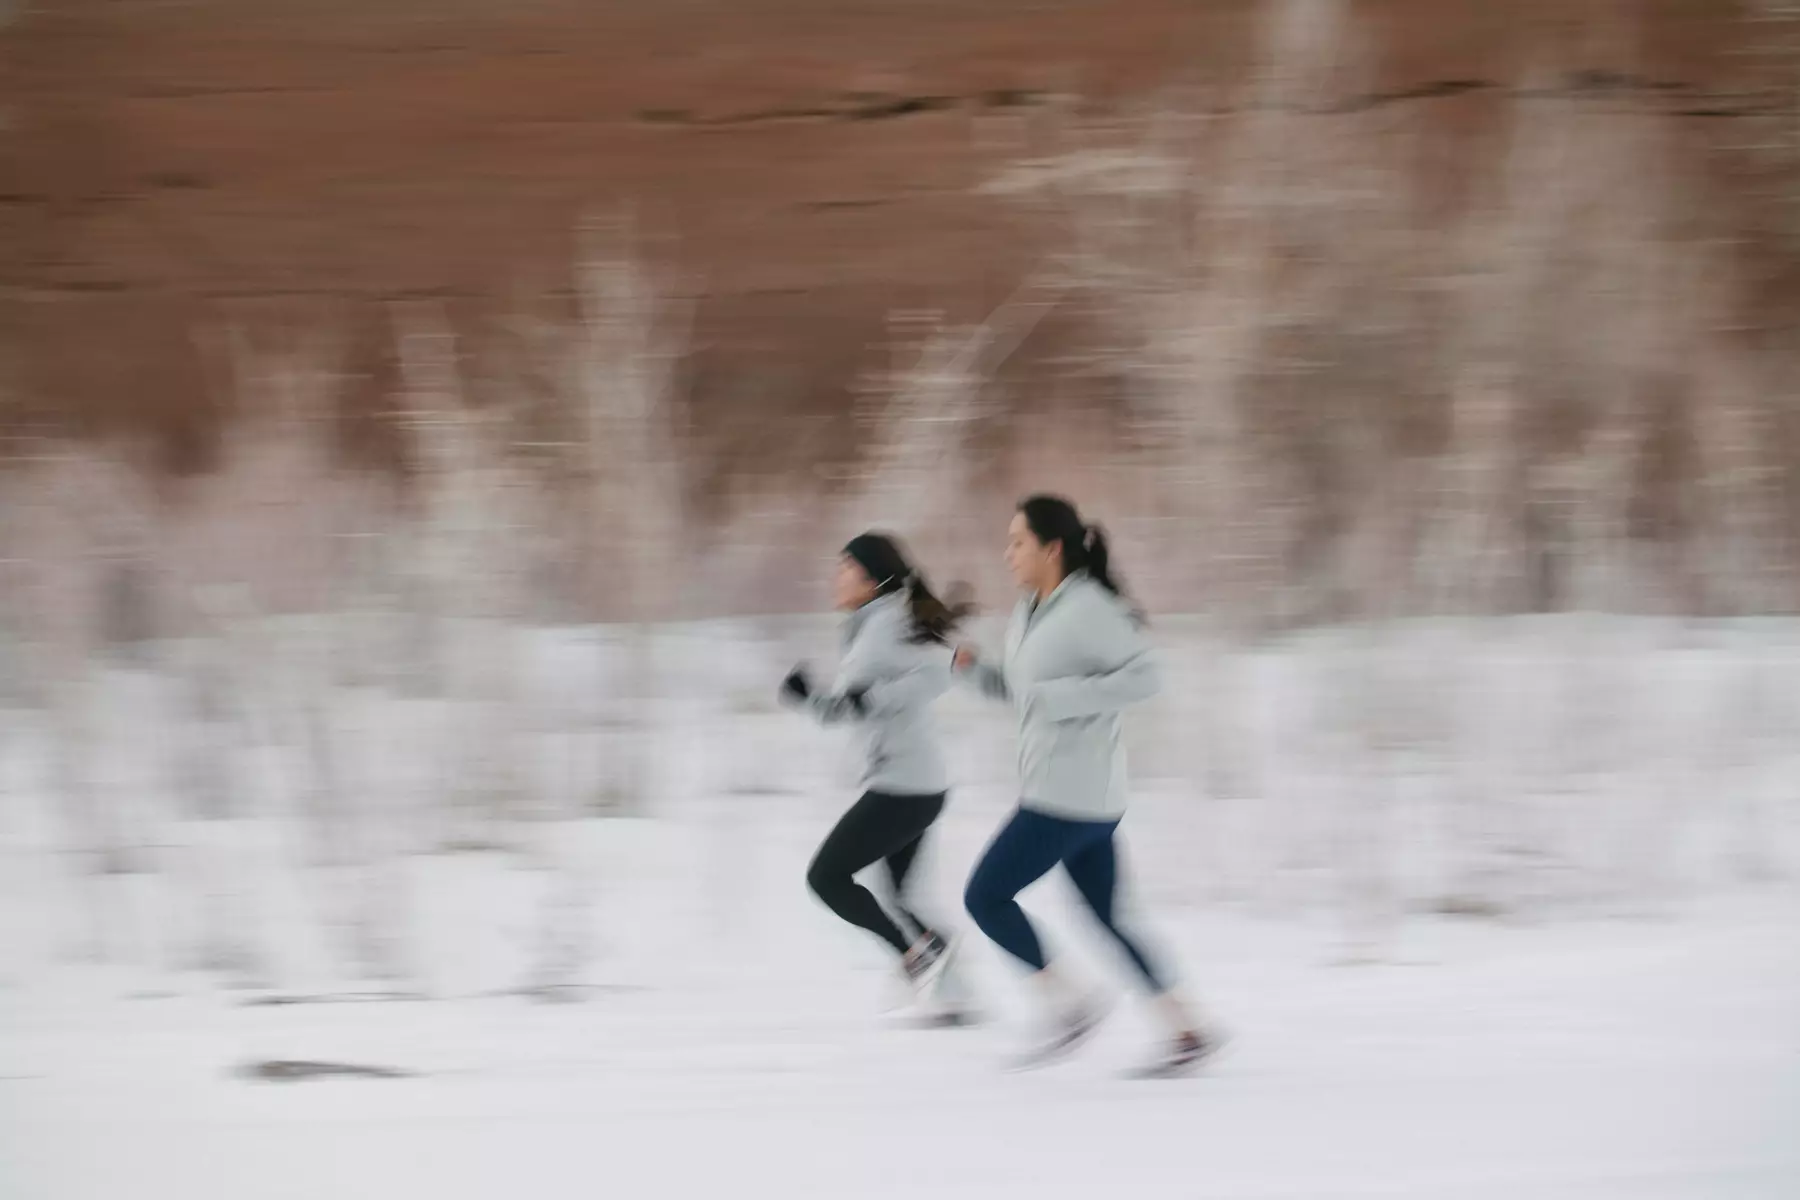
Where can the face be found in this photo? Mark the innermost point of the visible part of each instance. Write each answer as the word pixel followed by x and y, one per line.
pixel 1033 564
pixel 851 587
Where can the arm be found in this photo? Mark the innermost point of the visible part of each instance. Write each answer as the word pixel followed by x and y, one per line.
pixel 834 707
pixel 873 682
pixel 1135 678
pixel 827 708
pixel 967 667
pixel 990 681
pixel 913 688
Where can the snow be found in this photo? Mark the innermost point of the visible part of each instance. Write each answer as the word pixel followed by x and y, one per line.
pixel 1658 1060
pixel 1626 1025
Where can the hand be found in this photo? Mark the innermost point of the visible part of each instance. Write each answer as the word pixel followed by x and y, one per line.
pixel 858 700
pixel 797 686
pixel 965 658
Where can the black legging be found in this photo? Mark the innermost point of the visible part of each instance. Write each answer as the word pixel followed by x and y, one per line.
pixel 878 826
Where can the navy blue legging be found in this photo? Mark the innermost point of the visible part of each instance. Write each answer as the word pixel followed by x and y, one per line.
pixel 1024 851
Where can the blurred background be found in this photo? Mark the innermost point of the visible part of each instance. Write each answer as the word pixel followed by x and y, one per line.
pixel 427 430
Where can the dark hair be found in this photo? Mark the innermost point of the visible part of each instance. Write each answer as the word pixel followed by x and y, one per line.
pixel 1084 547
pixel 886 565
pixel 935 619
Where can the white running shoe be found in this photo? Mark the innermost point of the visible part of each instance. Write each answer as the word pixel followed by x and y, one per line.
pixel 1073 1029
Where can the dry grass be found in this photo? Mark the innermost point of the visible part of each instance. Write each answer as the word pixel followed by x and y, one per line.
pixel 1357 405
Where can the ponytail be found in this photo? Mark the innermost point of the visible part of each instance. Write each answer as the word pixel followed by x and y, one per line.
pixel 884 561
pixel 1096 558
pixel 1084 547
pixel 933 619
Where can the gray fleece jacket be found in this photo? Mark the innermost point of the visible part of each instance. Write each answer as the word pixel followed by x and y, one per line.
pixel 1073 663
pixel 898 679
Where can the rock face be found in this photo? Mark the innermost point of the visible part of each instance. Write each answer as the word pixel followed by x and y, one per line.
pixel 803 168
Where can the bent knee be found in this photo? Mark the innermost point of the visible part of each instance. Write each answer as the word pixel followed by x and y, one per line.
pixel 980 897
pixel 823 880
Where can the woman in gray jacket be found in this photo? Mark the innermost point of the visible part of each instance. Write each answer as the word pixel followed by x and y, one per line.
pixel 895 663
pixel 1075 660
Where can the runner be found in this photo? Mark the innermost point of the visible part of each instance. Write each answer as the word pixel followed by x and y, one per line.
pixel 1075 659
pixel 895 663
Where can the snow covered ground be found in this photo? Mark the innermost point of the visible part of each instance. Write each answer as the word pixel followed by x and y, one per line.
pixel 1639 1060
pixel 1461 955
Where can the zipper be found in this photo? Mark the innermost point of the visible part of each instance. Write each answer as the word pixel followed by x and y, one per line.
pixel 1035 617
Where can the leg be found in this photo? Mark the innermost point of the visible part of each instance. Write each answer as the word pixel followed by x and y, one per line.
pixel 900 864
pixel 1094 869
pixel 1021 853
pixel 875 827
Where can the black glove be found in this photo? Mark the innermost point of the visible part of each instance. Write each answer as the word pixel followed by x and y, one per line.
pixel 796 686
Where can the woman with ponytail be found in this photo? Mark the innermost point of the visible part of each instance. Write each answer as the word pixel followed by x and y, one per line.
pixel 895 663
pixel 1075 659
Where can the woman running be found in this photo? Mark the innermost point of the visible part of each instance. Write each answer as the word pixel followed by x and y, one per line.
pixel 1075 660
pixel 894 665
